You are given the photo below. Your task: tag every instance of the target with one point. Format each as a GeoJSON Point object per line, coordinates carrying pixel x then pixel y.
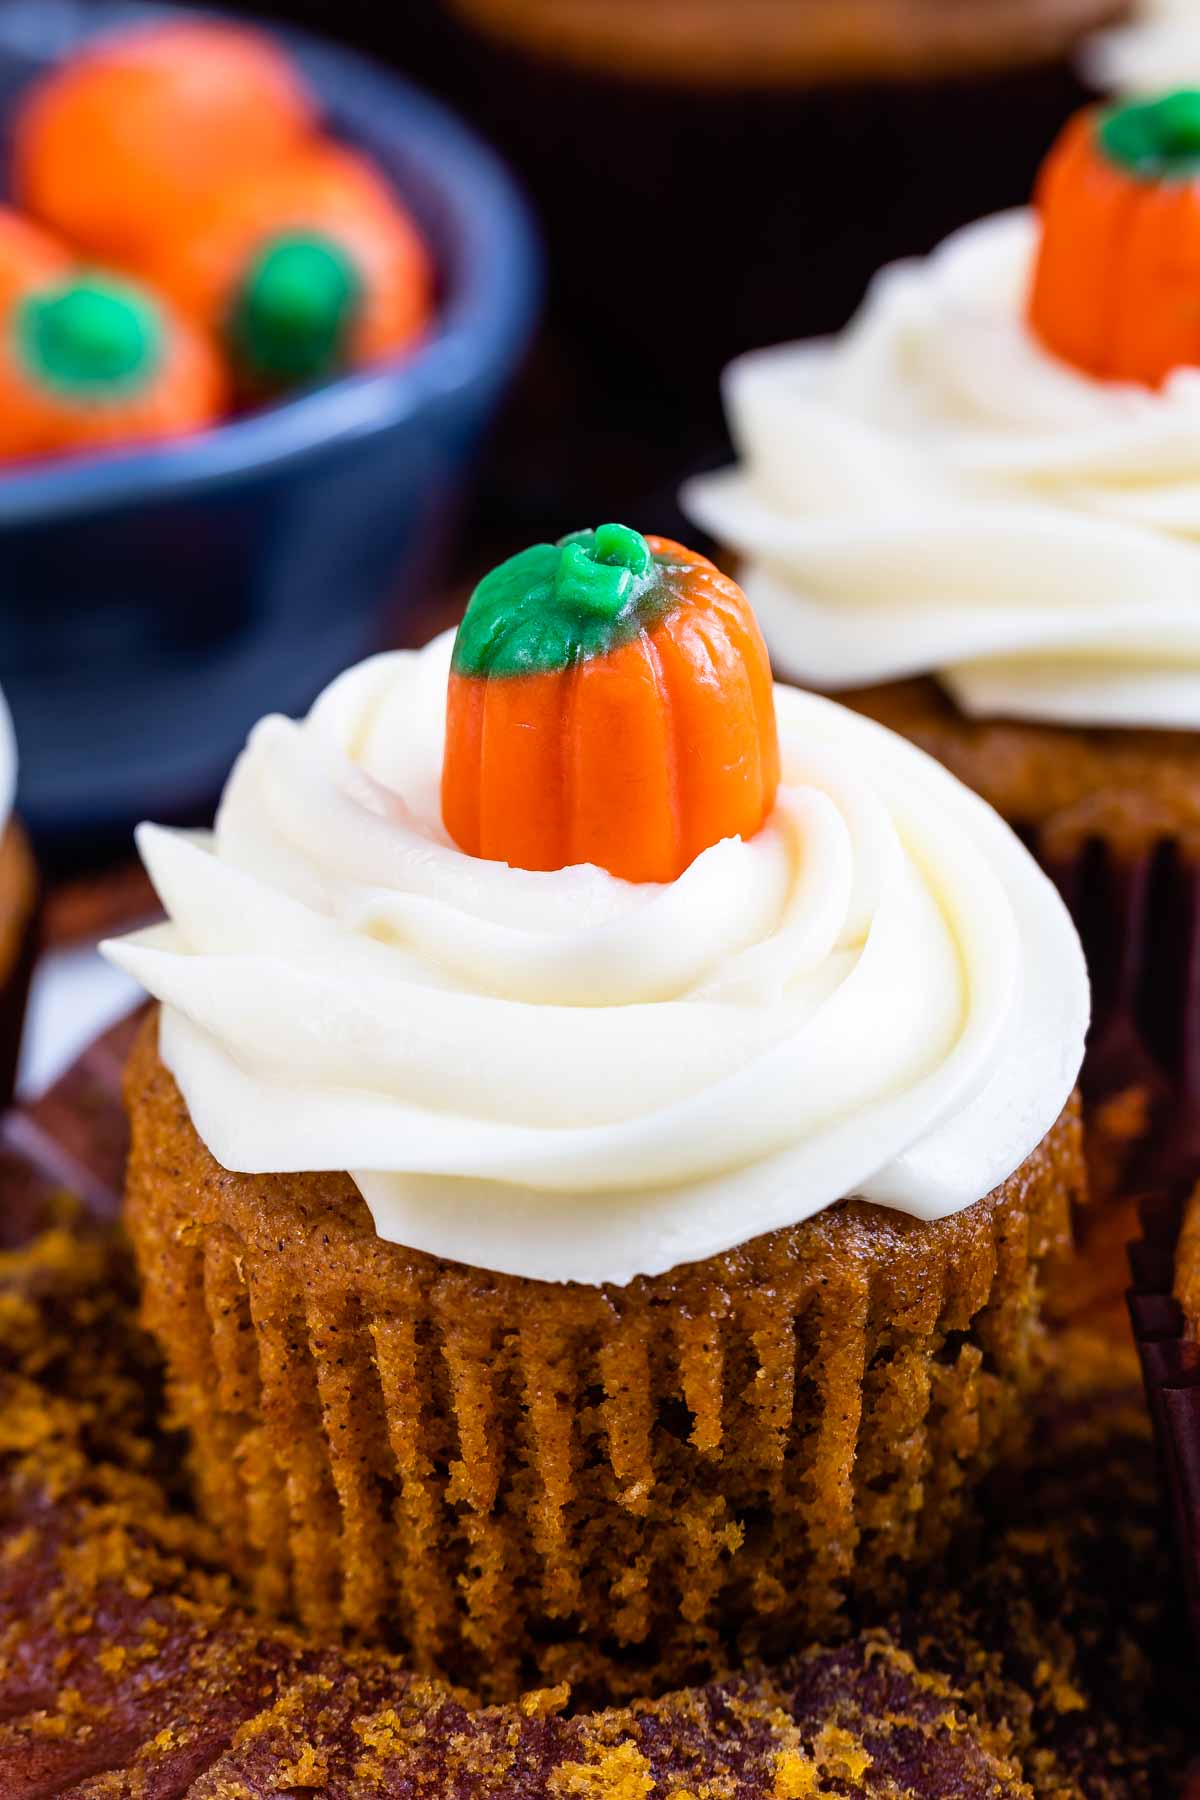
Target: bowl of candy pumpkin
{"type": "Point", "coordinates": [258, 300]}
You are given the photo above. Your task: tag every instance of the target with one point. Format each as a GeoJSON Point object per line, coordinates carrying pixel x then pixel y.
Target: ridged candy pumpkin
{"type": "Point", "coordinates": [29, 257]}
{"type": "Point", "coordinates": [1116, 285]}
{"type": "Point", "coordinates": [117, 142]}
{"type": "Point", "coordinates": [306, 268]}
{"type": "Point", "coordinates": [610, 702]}
{"type": "Point", "coordinates": [92, 363]}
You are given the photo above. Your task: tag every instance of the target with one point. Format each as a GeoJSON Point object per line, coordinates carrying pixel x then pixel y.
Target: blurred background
{"type": "Point", "coordinates": [618, 196]}
{"type": "Point", "coordinates": [712, 175]}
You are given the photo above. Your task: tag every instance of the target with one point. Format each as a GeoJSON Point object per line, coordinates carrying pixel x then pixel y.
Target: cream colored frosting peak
{"type": "Point", "coordinates": [1158, 49]}
{"type": "Point", "coordinates": [8, 765]}
{"type": "Point", "coordinates": [933, 492]}
{"type": "Point", "coordinates": [567, 1076]}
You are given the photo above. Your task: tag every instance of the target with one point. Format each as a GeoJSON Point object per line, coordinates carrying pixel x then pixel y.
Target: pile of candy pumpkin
{"type": "Point", "coordinates": [184, 241]}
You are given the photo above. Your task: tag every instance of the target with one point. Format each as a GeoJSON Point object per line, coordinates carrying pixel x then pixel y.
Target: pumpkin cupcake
{"type": "Point", "coordinates": [975, 516]}
{"type": "Point", "coordinates": [596, 1156]}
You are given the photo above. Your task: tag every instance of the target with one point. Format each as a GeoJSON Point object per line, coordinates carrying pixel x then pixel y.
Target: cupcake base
{"type": "Point", "coordinates": [1036, 1660]}
{"type": "Point", "coordinates": [1113, 816]}
{"type": "Point", "coordinates": [513, 1481]}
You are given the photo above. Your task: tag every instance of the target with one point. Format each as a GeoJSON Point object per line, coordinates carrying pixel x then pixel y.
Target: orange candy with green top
{"type": "Point", "coordinates": [88, 363]}
{"type": "Point", "coordinates": [189, 155]}
{"type": "Point", "coordinates": [304, 270]}
{"type": "Point", "coordinates": [1116, 287]}
{"type": "Point", "coordinates": [610, 702]}
{"type": "Point", "coordinates": [29, 258]}
{"type": "Point", "coordinates": [118, 142]}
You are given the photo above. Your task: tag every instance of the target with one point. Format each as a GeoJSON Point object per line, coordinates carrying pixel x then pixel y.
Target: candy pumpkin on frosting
{"type": "Point", "coordinates": [88, 362]}
{"type": "Point", "coordinates": [610, 702]}
{"type": "Point", "coordinates": [306, 268]}
{"type": "Point", "coordinates": [1116, 286]}
{"type": "Point", "coordinates": [116, 143]}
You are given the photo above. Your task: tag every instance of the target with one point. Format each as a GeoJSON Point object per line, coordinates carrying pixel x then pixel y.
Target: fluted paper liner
{"type": "Point", "coordinates": [20, 930]}
{"type": "Point", "coordinates": [513, 1481]}
{"type": "Point", "coordinates": [1137, 911]}
{"type": "Point", "coordinates": [1164, 1308]}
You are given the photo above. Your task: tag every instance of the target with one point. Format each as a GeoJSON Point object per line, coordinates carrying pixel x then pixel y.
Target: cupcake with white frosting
{"type": "Point", "coordinates": [976, 517]}
{"type": "Point", "coordinates": [597, 1152]}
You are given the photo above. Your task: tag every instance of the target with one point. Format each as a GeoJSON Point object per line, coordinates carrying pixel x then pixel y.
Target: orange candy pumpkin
{"type": "Point", "coordinates": [115, 143]}
{"type": "Point", "coordinates": [1116, 284]}
{"type": "Point", "coordinates": [309, 267]}
{"type": "Point", "coordinates": [92, 363]}
{"type": "Point", "coordinates": [610, 702]}
{"type": "Point", "coordinates": [29, 258]}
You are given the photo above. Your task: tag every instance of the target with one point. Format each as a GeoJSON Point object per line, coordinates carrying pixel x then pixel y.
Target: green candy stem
{"type": "Point", "coordinates": [295, 310]}
{"type": "Point", "coordinates": [598, 571]}
{"type": "Point", "coordinates": [91, 337]}
{"type": "Point", "coordinates": [1156, 139]}
{"type": "Point", "coordinates": [555, 604]}
{"type": "Point", "coordinates": [582, 581]}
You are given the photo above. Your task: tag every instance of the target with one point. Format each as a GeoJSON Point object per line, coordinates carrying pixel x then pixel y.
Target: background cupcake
{"type": "Point", "coordinates": [974, 516]}
{"type": "Point", "coordinates": [588, 1369]}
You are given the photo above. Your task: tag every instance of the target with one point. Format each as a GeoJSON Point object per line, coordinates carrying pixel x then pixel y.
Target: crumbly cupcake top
{"type": "Point", "coordinates": [994, 474]}
{"type": "Point", "coordinates": [404, 951]}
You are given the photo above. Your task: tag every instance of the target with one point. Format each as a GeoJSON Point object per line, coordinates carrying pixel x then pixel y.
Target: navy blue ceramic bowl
{"type": "Point", "coordinates": [155, 603]}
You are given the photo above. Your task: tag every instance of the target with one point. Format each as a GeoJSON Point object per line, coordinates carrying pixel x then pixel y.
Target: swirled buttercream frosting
{"type": "Point", "coordinates": [8, 765]}
{"type": "Point", "coordinates": [569, 1076]}
{"type": "Point", "coordinates": [1156, 50]}
{"type": "Point", "coordinates": [934, 492]}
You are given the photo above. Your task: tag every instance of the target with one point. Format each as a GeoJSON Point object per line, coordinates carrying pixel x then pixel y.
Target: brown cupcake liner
{"type": "Point", "coordinates": [1137, 911]}
{"type": "Point", "coordinates": [1170, 1361]}
{"type": "Point", "coordinates": [512, 1481]}
{"type": "Point", "coordinates": [20, 933]}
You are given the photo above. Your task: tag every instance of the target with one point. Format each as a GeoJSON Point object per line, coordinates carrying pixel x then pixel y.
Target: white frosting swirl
{"type": "Point", "coordinates": [934, 492]}
{"type": "Point", "coordinates": [1158, 50]}
{"type": "Point", "coordinates": [572, 1077]}
{"type": "Point", "coordinates": [8, 766]}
